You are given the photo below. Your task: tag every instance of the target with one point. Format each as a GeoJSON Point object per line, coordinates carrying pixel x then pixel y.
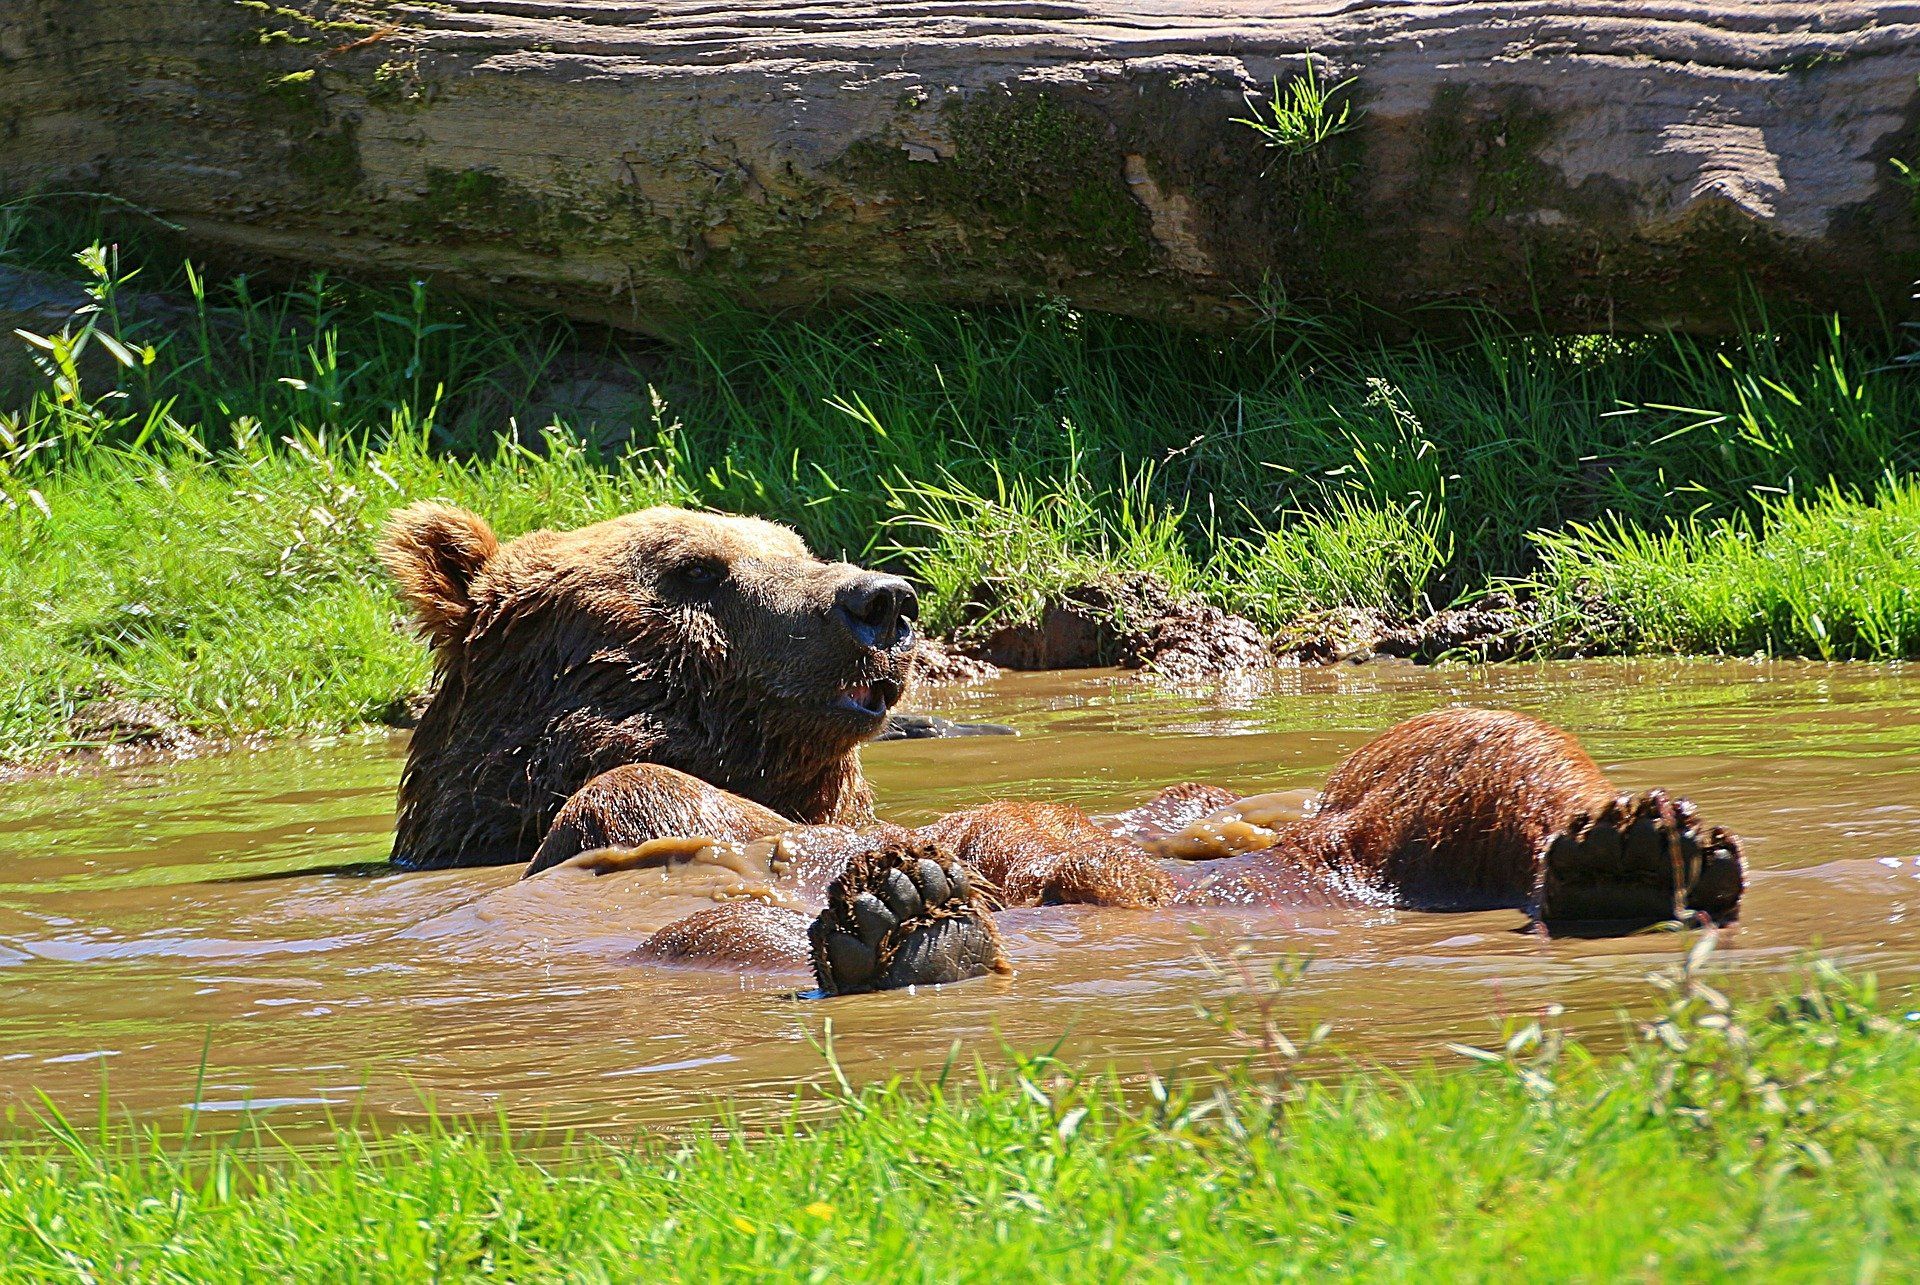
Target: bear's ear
{"type": "Point", "coordinates": [433, 552]}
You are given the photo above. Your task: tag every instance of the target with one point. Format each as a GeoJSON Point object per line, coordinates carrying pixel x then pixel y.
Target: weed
{"type": "Point", "coordinates": [1301, 115]}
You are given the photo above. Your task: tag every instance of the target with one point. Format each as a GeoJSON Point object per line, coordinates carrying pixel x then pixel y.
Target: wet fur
{"type": "Point", "coordinates": [560, 656]}
{"type": "Point", "coordinates": [1449, 810]}
{"type": "Point", "coordinates": [646, 798]}
{"type": "Point", "coordinates": [1446, 811]}
{"type": "Point", "coordinates": [586, 698]}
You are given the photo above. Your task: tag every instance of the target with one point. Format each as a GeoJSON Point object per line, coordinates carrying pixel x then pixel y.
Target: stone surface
{"type": "Point", "coordinates": [40, 304]}
{"type": "Point", "coordinates": [1583, 163]}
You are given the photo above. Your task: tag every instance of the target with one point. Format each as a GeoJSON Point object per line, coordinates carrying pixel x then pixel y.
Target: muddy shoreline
{"type": "Point", "coordinates": [1132, 624]}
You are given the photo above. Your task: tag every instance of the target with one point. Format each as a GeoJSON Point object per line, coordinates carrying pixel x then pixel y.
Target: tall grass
{"type": "Point", "coordinates": [1505, 434]}
{"type": "Point", "coordinates": [190, 488]}
{"type": "Point", "coordinates": [1830, 573]}
{"type": "Point", "coordinates": [1001, 555]}
{"type": "Point", "coordinates": [810, 419]}
{"type": "Point", "coordinates": [1378, 557]}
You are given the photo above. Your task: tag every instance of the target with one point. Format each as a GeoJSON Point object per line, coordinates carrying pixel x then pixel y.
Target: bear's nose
{"type": "Point", "coordinates": [878, 610]}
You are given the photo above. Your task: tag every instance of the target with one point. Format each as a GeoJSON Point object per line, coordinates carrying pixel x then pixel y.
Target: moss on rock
{"type": "Point", "coordinates": [1043, 181]}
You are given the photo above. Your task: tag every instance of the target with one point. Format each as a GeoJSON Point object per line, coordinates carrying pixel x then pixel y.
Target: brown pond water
{"type": "Point", "coordinates": [151, 913]}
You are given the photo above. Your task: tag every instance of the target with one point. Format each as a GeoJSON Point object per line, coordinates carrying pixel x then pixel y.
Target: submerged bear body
{"type": "Point", "coordinates": [674, 682]}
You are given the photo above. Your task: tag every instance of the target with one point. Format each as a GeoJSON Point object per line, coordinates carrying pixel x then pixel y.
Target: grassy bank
{"type": "Point", "coordinates": [191, 491]}
{"type": "Point", "coordinates": [1773, 1141]}
{"type": "Point", "coordinates": [1820, 575]}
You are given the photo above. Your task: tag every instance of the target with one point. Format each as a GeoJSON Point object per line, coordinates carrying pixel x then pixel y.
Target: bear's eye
{"type": "Point", "coordinates": [698, 577]}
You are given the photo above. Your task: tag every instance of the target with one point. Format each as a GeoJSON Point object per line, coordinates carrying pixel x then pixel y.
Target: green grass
{"type": "Point", "coordinates": [190, 500]}
{"type": "Point", "coordinates": [1374, 556]}
{"type": "Point", "coordinates": [1830, 574]}
{"type": "Point", "coordinates": [1299, 116]}
{"type": "Point", "coordinates": [1771, 1141]}
{"type": "Point", "coordinates": [242, 592]}
{"type": "Point", "coordinates": [1013, 548]}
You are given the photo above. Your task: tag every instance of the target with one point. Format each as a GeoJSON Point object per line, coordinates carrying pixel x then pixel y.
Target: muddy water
{"type": "Point", "coordinates": [153, 916]}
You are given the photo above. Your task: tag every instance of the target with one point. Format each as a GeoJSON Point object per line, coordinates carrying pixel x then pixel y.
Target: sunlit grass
{"type": "Point", "coordinates": [190, 495]}
{"type": "Point", "coordinates": [241, 592]}
{"type": "Point", "coordinates": [1002, 554]}
{"type": "Point", "coordinates": [1774, 1141]}
{"type": "Point", "coordinates": [1378, 557]}
{"type": "Point", "coordinates": [1300, 115]}
{"type": "Point", "coordinates": [1831, 575]}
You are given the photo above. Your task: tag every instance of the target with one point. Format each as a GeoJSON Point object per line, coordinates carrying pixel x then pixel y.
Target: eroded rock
{"type": "Point", "coordinates": [1496, 627]}
{"type": "Point", "coordinates": [1592, 165]}
{"type": "Point", "coordinates": [940, 665]}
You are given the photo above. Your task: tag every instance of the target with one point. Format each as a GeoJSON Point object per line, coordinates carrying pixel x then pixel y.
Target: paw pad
{"type": "Point", "coordinates": [903, 915]}
{"type": "Point", "coordinates": [1645, 858]}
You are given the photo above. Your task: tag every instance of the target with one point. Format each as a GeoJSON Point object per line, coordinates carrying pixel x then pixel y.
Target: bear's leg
{"type": "Point", "coordinates": [1473, 808]}
{"type": "Point", "coordinates": [903, 914]}
{"type": "Point", "coordinates": [732, 934]}
{"type": "Point", "coordinates": [641, 801]}
{"type": "Point", "coordinates": [1038, 854]}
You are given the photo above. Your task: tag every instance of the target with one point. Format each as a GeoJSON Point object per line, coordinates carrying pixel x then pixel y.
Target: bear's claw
{"type": "Point", "coordinates": [1645, 859]}
{"type": "Point", "coordinates": [903, 915]}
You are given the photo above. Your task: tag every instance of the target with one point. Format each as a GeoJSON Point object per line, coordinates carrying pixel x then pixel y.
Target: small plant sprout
{"type": "Point", "coordinates": [1909, 178]}
{"type": "Point", "coordinates": [1906, 176]}
{"type": "Point", "coordinates": [1299, 116]}
{"type": "Point", "coordinates": [1253, 1018]}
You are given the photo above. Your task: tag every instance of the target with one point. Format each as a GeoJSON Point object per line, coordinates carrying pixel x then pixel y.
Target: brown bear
{"type": "Point", "coordinates": [672, 682]}
{"type": "Point", "coordinates": [715, 645]}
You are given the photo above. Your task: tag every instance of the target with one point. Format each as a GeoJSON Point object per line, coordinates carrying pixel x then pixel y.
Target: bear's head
{"type": "Point", "coordinates": [716, 645]}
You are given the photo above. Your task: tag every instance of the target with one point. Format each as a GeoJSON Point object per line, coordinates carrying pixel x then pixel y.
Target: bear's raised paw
{"type": "Point", "coordinates": [1644, 858]}
{"type": "Point", "coordinates": [905, 914]}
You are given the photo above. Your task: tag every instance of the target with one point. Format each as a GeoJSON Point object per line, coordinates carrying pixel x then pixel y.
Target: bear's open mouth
{"type": "Point", "coordinates": [872, 700]}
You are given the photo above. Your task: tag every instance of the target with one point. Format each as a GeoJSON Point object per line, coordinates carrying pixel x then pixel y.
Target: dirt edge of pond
{"type": "Point", "coordinates": [112, 731]}
{"type": "Point", "coordinates": [1136, 622]}
{"type": "Point", "coordinates": [1129, 621]}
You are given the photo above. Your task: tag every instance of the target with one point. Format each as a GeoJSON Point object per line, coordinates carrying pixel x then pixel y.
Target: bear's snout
{"type": "Point", "coordinates": [877, 609]}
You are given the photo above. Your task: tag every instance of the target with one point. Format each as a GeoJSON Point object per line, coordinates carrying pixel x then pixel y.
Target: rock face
{"type": "Point", "coordinates": [39, 304]}
{"type": "Point", "coordinates": [1582, 163]}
